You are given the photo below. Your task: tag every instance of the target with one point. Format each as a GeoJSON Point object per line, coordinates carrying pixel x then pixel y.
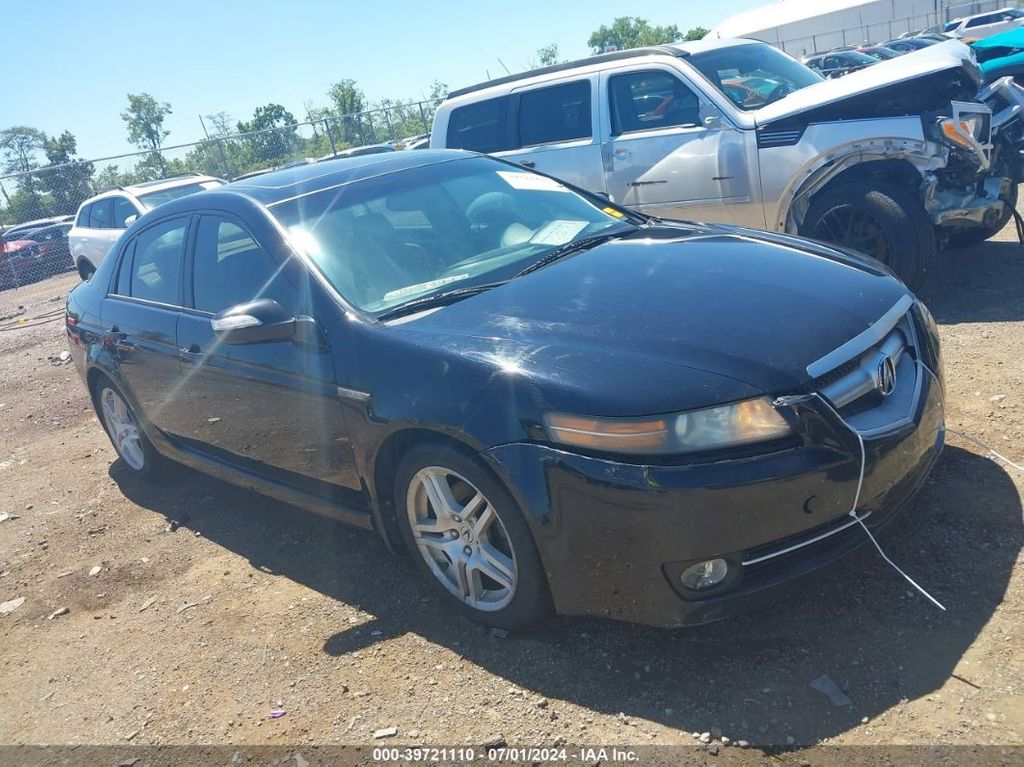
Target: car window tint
{"type": "Point", "coordinates": [123, 209]}
{"type": "Point", "coordinates": [558, 113]}
{"type": "Point", "coordinates": [156, 265]}
{"type": "Point", "coordinates": [101, 216]}
{"type": "Point", "coordinates": [649, 100]}
{"type": "Point", "coordinates": [231, 268]}
{"type": "Point", "coordinates": [83, 216]}
{"type": "Point", "coordinates": [481, 127]}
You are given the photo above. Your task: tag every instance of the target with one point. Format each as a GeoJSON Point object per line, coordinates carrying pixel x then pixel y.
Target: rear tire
{"type": "Point", "coordinates": [879, 220]}
{"type": "Point", "coordinates": [130, 442]}
{"type": "Point", "coordinates": [469, 537]}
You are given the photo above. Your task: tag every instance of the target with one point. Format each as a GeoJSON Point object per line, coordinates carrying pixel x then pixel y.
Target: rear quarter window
{"type": "Point", "coordinates": [480, 127]}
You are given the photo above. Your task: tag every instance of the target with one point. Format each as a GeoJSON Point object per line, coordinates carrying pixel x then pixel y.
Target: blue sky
{"type": "Point", "coordinates": [69, 65]}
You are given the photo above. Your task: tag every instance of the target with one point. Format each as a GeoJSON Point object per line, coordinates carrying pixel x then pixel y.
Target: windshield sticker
{"type": "Point", "coordinates": [558, 232]}
{"type": "Point", "coordinates": [412, 290]}
{"type": "Point", "coordinates": [518, 180]}
{"type": "Point", "coordinates": [613, 212]}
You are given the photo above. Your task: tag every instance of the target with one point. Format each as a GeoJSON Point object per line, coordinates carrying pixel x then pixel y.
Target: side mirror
{"type": "Point", "coordinates": [131, 220]}
{"type": "Point", "coordinates": [254, 322]}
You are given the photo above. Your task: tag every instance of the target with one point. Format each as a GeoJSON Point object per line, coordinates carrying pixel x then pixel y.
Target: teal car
{"type": "Point", "coordinates": [1001, 55]}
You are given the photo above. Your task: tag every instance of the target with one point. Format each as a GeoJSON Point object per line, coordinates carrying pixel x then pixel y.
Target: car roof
{"type": "Point", "coordinates": [277, 186]}
{"type": "Point", "coordinates": [678, 50]}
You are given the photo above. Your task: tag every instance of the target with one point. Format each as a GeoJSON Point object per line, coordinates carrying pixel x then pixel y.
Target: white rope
{"type": "Point", "coordinates": [856, 502]}
{"type": "Point", "coordinates": [983, 446]}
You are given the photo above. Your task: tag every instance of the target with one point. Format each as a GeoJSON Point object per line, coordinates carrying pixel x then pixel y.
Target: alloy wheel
{"type": "Point", "coordinates": [123, 428]}
{"type": "Point", "coordinates": [462, 539]}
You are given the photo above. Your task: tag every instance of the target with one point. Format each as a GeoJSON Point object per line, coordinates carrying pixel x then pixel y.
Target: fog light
{"type": "Point", "coordinates": [704, 575]}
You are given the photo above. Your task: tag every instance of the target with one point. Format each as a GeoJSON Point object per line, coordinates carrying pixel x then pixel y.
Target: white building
{"type": "Point", "coordinates": [806, 26]}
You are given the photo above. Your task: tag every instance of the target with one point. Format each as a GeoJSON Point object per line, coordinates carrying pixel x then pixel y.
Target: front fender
{"type": "Point", "coordinates": [787, 204]}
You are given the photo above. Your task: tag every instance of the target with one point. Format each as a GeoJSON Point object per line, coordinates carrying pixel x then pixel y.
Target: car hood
{"type": "Point", "coordinates": [669, 317]}
{"type": "Point", "coordinates": [1012, 39]}
{"type": "Point", "coordinates": [952, 57]}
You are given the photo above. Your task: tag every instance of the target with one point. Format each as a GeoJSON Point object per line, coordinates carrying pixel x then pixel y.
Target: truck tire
{"type": "Point", "coordinates": [879, 220]}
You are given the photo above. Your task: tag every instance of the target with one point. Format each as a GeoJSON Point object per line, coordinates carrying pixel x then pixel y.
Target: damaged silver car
{"type": "Point", "coordinates": [894, 160]}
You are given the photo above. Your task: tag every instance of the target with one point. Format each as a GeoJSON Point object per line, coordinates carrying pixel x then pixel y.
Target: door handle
{"type": "Point", "coordinates": [119, 340]}
{"type": "Point", "coordinates": [621, 152]}
{"type": "Point", "coordinates": [527, 163]}
{"type": "Point", "coordinates": [190, 353]}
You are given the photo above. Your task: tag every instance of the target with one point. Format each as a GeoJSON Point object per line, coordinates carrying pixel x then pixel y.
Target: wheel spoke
{"type": "Point", "coordinates": [442, 501]}
{"type": "Point", "coordinates": [496, 566]}
{"type": "Point", "coordinates": [483, 522]}
{"type": "Point", "coordinates": [463, 579]}
{"type": "Point", "coordinates": [473, 506]}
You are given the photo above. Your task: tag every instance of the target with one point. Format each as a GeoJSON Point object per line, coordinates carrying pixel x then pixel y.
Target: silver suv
{"type": "Point", "coordinates": [887, 160]}
{"type": "Point", "coordinates": [102, 219]}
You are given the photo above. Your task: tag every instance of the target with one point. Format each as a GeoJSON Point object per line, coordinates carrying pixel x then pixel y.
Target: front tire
{"type": "Point", "coordinates": [879, 220]}
{"type": "Point", "coordinates": [469, 537]}
{"type": "Point", "coordinates": [125, 432]}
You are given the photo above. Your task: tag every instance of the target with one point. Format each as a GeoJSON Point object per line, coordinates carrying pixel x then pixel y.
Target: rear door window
{"type": "Point", "coordinates": [83, 216]}
{"type": "Point", "coordinates": [556, 113]}
{"type": "Point", "coordinates": [156, 265]}
{"type": "Point", "coordinates": [480, 127]}
{"type": "Point", "coordinates": [102, 214]}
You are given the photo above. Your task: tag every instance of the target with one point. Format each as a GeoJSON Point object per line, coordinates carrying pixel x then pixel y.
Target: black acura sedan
{"type": "Point", "coordinates": [553, 402]}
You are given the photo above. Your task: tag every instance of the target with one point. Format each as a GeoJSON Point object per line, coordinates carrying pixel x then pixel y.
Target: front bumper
{"type": "Point", "coordinates": [614, 537]}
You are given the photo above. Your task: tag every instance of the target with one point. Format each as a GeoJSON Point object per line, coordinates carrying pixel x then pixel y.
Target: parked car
{"type": "Point", "coordinates": [1001, 55]}
{"type": "Point", "coordinates": [522, 382]}
{"type": "Point", "coordinates": [102, 219]}
{"type": "Point", "coordinates": [14, 232]}
{"type": "Point", "coordinates": [838, 63]}
{"type": "Point", "coordinates": [984, 24]}
{"type": "Point", "coordinates": [53, 248]}
{"type": "Point", "coordinates": [18, 259]}
{"type": "Point", "coordinates": [909, 44]}
{"type": "Point", "coordinates": [880, 160]}
{"type": "Point", "coordinates": [879, 52]}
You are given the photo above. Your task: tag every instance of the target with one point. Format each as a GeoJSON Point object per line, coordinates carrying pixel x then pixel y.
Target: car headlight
{"type": "Point", "coordinates": [962, 132]}
{"type": "Point", "coordinates": [739, 423]}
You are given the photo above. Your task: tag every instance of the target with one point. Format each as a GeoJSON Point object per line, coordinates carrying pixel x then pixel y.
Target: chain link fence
{"type": "Point", "coordinates": [37, 206]}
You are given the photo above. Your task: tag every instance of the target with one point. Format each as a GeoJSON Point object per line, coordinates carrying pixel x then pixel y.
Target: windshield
{"type": "Point", "coordinates": [735, 69]}
{"type": "Point", "coordinates": [393, 239]}
{"type": "Point", "coordinates": [154, 199]}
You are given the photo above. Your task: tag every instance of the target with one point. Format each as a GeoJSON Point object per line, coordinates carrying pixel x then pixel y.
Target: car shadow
{"type": "Point", "coordinates": [749, 676]}
{"type": "Point", "coordinates": [978, 284]}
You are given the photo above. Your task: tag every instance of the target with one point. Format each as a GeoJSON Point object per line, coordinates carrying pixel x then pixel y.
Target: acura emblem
{"type": "Point", "coordinates": [886, 376]}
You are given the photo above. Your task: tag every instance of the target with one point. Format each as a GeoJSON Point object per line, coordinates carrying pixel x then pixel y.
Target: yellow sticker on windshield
{"type": "Point", "coordinates": [613, 212]}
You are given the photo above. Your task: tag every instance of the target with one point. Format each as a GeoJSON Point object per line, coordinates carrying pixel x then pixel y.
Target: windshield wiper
{"type": "Point", "coordinates": [436, 299]}
{"type": "Point", "coordinates": [572, 247]}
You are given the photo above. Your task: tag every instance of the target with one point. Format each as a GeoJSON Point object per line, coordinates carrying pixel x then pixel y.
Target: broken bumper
{"type": "Point", "coordinates": [615, 537]}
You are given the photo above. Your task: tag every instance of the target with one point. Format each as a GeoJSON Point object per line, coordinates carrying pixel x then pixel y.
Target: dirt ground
{"type": "Point", "coordinates": [192, 609]}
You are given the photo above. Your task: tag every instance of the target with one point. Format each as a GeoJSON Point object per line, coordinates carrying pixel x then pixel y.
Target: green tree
{"type": "Point", "coordinates": [21, 145]}
{"type": "Point", "coordinates": [548, 55]}
{"type": "Point", "coordinates": [631, 32]}
{"type": "Point", "coordinates": [277, 138]}
{"type": "Point", "coordinates": [144, 119]}
{"type": "Point", "coordinates": [347, 99]}
{"type": "Point", "coordinates": [68, 180]}
{"type": "Point", "coordinates": [697, 33]}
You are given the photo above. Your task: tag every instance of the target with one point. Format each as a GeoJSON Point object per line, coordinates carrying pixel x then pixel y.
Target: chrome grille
{"type": "Point", "coordinates": [851, 377]}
